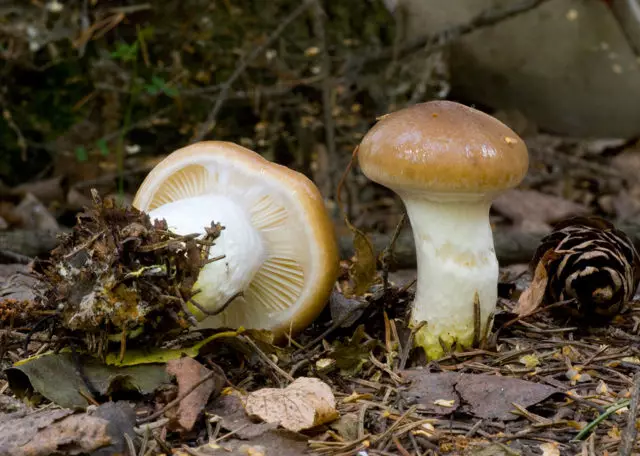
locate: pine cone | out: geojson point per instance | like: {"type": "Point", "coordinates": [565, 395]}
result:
{"type": "Point", "coordinates": [593, 263]}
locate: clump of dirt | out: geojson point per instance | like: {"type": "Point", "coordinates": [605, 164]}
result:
{"type": "Point", "coordinates": [119, 276]}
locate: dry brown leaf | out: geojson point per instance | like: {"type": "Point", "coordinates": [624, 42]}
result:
{"type": "Point", "coordinates": [533, 296]}
{"type": "Point", "coordinates": [188, 372]}
{"type": "Point", "coordinates": [363, 266]}
{"type": "Point", "coordinates": [362, 271]}
{"type": "Point", "coordinates": [304, 404]}
{"type": "Point", "coordinates": [47, 432]}
{"type": "Point", "coordinates": [483, 396]}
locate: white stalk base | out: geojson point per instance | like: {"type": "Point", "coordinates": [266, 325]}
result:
{"type": "Point", "coordinates": [239, 242]}
{"type": "Point", "coordinates": [456, 260]}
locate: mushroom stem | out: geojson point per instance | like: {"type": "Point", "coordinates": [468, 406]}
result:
{"type": "Point", "coordinates": [239, 242]}
{"type": "Point", "coordinates": [456, 260]}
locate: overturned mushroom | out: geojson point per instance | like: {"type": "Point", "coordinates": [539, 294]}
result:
{"type": "Point", "coordinates": [279, 251]}
{"type": "Point", "coordinates": [447, 162]}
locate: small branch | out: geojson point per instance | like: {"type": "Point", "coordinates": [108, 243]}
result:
{"type": "Point", "coordinates": [266, 359]}
{"type": "Point", "coordinates": [178, 399]}
{"type": "Point", "coordinates": [210, 122]}
{"type": "Point", "coordinates": [6, 114]}
{"type": "Point", "coordinates": [387, 253]}
{"type": "Point", "coordinates": [434, 42]}
{"type": "Point", "coordinates": [630, 432]}
{"type": "Point", "coordinates": [327, 88]}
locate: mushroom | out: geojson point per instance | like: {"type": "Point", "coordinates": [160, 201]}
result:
{"type": "Point", "coordinates": [447, 161]}
{"type": "Point", "coordinates": [280, 252]}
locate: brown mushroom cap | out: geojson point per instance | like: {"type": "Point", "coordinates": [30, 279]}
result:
{"type": "Point", "coordinates": [443, 147]}
{"type": "Point", "coordinates": [286, 208]}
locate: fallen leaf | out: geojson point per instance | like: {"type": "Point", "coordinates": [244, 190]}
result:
{"type": "Point", "coordinates": [493, 449]}
{"type": "Point", "coordinates": [533, 296]}
{"type": "Point", "coordinates": [347, 426]}
{"type": "Point", "coordinates": [575, 376]}
{"type": "Point", "coordinates": [35, 216]}
{"type": "Point", "coordinates": [363, 266]}
{"type": "Point", "coordinates": [614, 433]}
{"type": "Point", "coordinates": [530, 361]}
{"type": "Point", "coordinates": [346, 310]}
{"type": "Point", "coordinates": [55, 376]}
{"type": "Point", "coordinates": [602, 388]}
{"type": "Point", "coordinates": [550, 449]}
{"type": "Point", "coordinates": [121, 419]}
{"type": "Point", "coordinates": [19, 286]}
{"type": "Point", "coordinates": [304, 404]}
{"type": "Point", "coordinates": [485, 396]}
{"type": "Point", "coordinates": [350, 356]}
{"type": "Point", "coordinates": [229, 409]}
{"type": "Point", "coordinates": [163, 355]}
{"type": "Point", "coordinates": [272, 442]}
{"type": "Point", "coordinates": [46, 432]}
{"type": "Point", "coordinates": [188, 372]}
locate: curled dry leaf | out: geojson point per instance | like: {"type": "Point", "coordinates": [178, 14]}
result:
{"type": "Point", "coordinates": [363, 266]}
{"type": "Point", "coordinates": [44, 432]}
{"type": "Point", "coordinates": [533, 296]}
{"type": "Point", "coordinates": [189, 372]}
{"type": "Point", "coordinates": [304, 404]}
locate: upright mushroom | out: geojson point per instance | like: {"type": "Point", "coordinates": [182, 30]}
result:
{"type": "Point", "coordinates": [447, 162]}
{"type": "Point", "coordinates": [280, 252]}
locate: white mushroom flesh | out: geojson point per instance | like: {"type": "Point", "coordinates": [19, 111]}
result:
{"type": "Point", "coordinates": [456, 259]}
{"type": "Point", "coordinates": [240, 245]}
{"type": "Point", "coordinates": [264, 240]}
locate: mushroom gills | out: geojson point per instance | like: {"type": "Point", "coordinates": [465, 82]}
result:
{"type": "Point", "coordinates": [240, 245]}
{"type": "Point", "coordinates": [259, 243]}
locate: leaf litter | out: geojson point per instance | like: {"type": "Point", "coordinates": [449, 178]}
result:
{"type": "Point", "coordinates": [537, 383]}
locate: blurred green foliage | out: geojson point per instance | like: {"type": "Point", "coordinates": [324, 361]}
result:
{"type": "Point", "coordinates": [81, 84]}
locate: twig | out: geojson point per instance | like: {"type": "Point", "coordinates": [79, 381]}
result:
{"type": "Point", "coordinates": [334, 325]}
{"type": "Point", "coordinates": [387, 253]}
{"type": "Point", "coordinates": [630, 432]}
{"type": "Point", "coordinates": [439, 40]}
{"type": "Point", "coordinates": [476, 320]}
{"type": "Point", "coordinates": [230, 433]}
{"type": "Point", "coordinates": [221, 309]}
{"type": "Point", "coordinates": [403, 451]}
{"type": "Point", "coordinates": [210, 122]}
{"type": "Point", "coordinates": [266, 359]}
{"type": "Point", "coordinates": [406, 349]}
{"type": "Point", "coordinates": [6, 114]}
{"type": "Point", "coordinates": [178, 399]}
{"type": "Point", "coordinates": [327, 86]}
{"type": "Point", "coordinates": [14, 257]}
{"type": "Point", "coordinates": [381, 439]}
{"type": "Point", "coordinates": [141, 430]}
{"type": "Point", "coordinates": [130, 445]}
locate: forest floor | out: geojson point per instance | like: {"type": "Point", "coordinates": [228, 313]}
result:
{"type": "Point", "coordinates": [537, 385]}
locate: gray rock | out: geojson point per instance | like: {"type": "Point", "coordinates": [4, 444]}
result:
{"type": "Point", "coordinates": [566, 64]}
